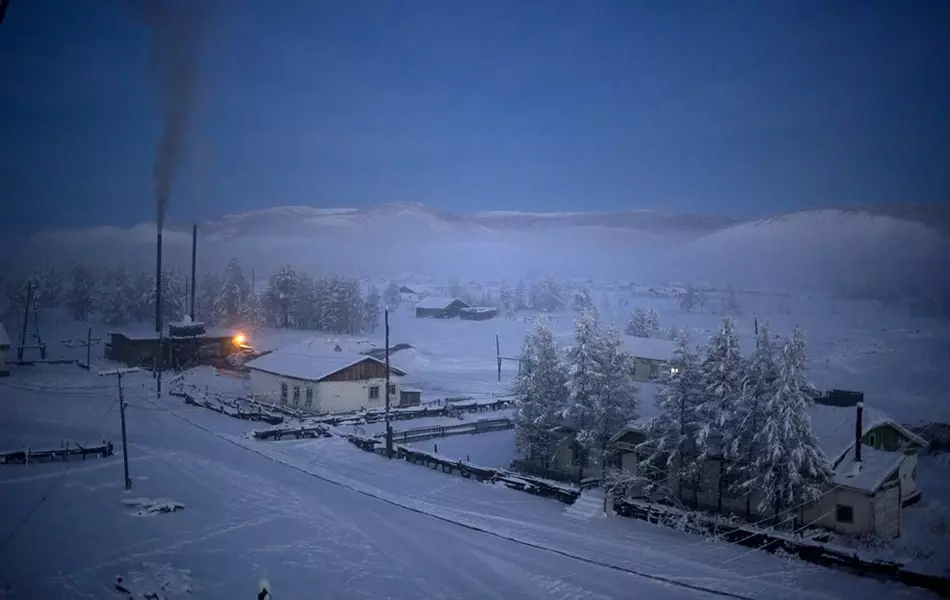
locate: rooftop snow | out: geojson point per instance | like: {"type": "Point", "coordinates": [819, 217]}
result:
{"type": "Point", "coordinates": [309, 366]}
{"type": "Point", "coordinates": [4, 338]}
{"type": "Point", "coordinates": [834, 426]}
{"type": "Point", "coordinates": [437, 302]}
{"type": "Point", "coordinates": [651, 348]}
{"type": "Point", "coordinates": [869, 474]}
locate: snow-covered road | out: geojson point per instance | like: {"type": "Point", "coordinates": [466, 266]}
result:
{"type": "Point", "coordinates": [321, 519]}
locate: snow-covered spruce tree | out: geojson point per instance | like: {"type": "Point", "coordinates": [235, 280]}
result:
{"type": "Point", "coordinates": [279, 295]}
{"type": "Point", "coordinates": [722, 369]}
{"type": "Point", "coordinates": [757, 386]}
{"type": "Point", "coordinates": [48, 287]}
{"type": "Point", "coordinates": [690, 299]}
{"type": "Point", "coordinates": [79, 299]}
{"type": "Point", "coordinates": [142, 300]}
{"type": "Point", "coordinates": [670, 449]}
{"type": "Point", "coordinates": [638, 325]}
{"type": "Point", "coordinates": [730, 302]}
{"type": "Point", "coordinates": [391, 296]}
{"type": "Point", "coordinates": [210, 308]}
{"type": "Point", "coordinates": [652, 322]}
{"type": "Point", "coordinates": [521, 294]}
{"type": "Point", "coordinates": [547, 296]}
{"type": "Point", "coordinates": [602, 395]}
{"type": "Point", "coordinates": [789, 468]}
{"type": "Point", "coordinates": [541, 393]}
{"type": "Point", "coordinates": [372, 309]}
{"type": "Point", "coordinates": [303, 303]}
{"type": "Point", "coordinates": [235, 289]}
{"type": "Point", "coordinates": [115, 296]}
{"type": "Point", "coordinates": [583, 301]}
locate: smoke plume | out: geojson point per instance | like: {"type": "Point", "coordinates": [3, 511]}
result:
{"type": "Point", "coordinates": [177, 31]}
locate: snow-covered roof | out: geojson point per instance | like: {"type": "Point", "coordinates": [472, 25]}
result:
{"type": "Point", "coordinates": [481, 309]}
{"type": "Point", "coordinates": [313, 366]}
{"type": "Point", "coordinates": [4, 338]}
{"type": "Point", "coordinates": [834, 426]}
{"type": "Point", "coordinates": [869, 474]}
{"type": "Point", "coordinates": [437, 302]}
{"type": "Point", "coordinates": [651, 348]}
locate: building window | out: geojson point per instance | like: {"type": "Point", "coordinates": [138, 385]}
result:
{"type": "Point", "coordinates": [283, 393]}
{"type": "Point", "coordinates": [296, 395]}
{"type": "Point", "coordinates": [871, 440]}
{"type": "Point", "coordinates": [374, 392]}
{"type": "Point", "coordinates": [309, 400]}
{"type": "Point", "coordinates": [392, 389]}
{"type": "Point", "coordinates": [844, 513]}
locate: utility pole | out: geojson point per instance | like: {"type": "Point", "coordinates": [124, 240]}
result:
{"type": "Point", "coordinates": [194, 263]}
{"type": "Point", "coordinates": [88, 348]}
{"type": "Point", "coordinates": [389, 425]}
{"type": "Point", "coordinates": [125, 448]}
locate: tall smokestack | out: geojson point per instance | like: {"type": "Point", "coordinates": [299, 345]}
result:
{"type": "Point", "coordinates": [858, 431]}
{"type": "Point", "coordinates": [194, 263]}
{"type": "Point", "coordinates": [177, 28]}
{"type": "Point", "coordinates": [158, 283]}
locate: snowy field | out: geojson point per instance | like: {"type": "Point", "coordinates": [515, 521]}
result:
{"type": "Point", "coordinates": [495, 450]}
{"type": "Point", "coordinates": [320, 518]}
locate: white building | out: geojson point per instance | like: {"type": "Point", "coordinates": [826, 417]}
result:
{"type": "Point", "coordinates": [650, 355]}
{"type": "Point", "coordinates": [4, 347]}
{"type": "Point", "coordinates": [322, 382]}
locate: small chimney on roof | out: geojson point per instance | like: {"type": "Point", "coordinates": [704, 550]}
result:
{"type": "Point", "coordinates": [858, 431]}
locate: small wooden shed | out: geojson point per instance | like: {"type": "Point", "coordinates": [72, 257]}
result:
{"type": "Point", "coordinates": [440, 308]}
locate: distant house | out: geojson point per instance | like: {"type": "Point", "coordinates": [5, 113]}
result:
{"type": "Point", "coordinates": [569, 462]}
{"type": "Point", "coordinates": [4, 347]}
{"type": "Point", "coordinates": [414, 293]}
{"type": "Point", "coordinates": [873, 479]}
{"type": "Point", "coordinates": [440, 308]}
{"type": "Point", "coordinates": [324, 382]}
{"type": "Point", "coordinates": [478, 313]}
{"type": "Point", "coordinates": [182, 345]}
{"type": "Point", "coordinates": [650, 356]}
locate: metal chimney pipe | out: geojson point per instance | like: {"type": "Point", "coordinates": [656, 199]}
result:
{"type": "Point", "coordinates": [858, 431]}
{"type": "Point", "coordinates": [158, 284]}
{"type": "Point", "coordinates": [194, 262]}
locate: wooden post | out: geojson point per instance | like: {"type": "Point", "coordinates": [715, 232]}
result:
{"type": "Point", "coordinates": [88, 348]}
{"type": "Point", "coordinates": [498, 355]}
{"type": "Point", "coordinates": [26, 318]}
{"type": "Point", "coordinates": [389, 425]}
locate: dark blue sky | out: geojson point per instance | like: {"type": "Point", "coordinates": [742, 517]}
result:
{"type": "Point", "coordinates": [741, 108]}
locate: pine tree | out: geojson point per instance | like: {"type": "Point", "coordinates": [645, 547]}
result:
{"type": "Point", "coordinates": [48, 287]}
{"type": "Point", "coordinates": [690, 298]}
{"type": "Point", "coordinates": [722, 368]}
{"type": "Point", "coordinates": [372, 309]}
{"type": "Point", "coordinates": [758, 385]}
{"type": "Point", "coordinates": [652, 323]}
{"type": "Point", "coordinates": [235, 289]}
{"type": "Point", "coordinates": [540, 390]}
{"type": "Point", "coordinates": [547, 296]}
{"type": "Point", "coordinates": [602, 396]}
{"type": "Point", "coordinates": [583, 301]}
{"type": "Point", "coordinates": [730, 302]}
{"type": "Point", "coordinates": [671, 447]}
{"type": "Point", "coordinates": [391, 296]}
{"type": "Point", "coordinates": [280, 293]}
{"type": "Point", "coordinates": [115, 296]}
{"type": "Point", "coordinates": [507, 303]}
{"type": "Point", "coordinates": [210, 308]}
{"type": "Point", "coordinates": [79, 299]}
{"type": "Point", "coordinates": [521, 292]}
{"type": "Point", "coordinates": [303, 303]}
{"type": "Point", "coordinates": [790, 467]}
{"type": "Point", "coordinates": [639, 324]}
{"type": "Point", "coordinates": [142, 300]}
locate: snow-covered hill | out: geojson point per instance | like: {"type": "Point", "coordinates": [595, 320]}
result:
{"type": "Point", "coordinates": [841, 249]}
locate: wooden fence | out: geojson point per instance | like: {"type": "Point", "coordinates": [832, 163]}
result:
{"type": "Point", "coordinates": [419, 434]}
{"type": "Point", "coordinates": [773, 541]}
{"type": "Point", "coordinates": [27, 456]}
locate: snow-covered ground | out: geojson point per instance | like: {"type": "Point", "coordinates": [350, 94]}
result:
{"type": "Point", "coordinates": [321, 517]}
{"type": "Point", "coordinates": [495, 449]}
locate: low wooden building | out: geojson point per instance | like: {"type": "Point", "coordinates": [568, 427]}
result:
{"type": "Point", "coordinates": [323, 382]}
{"type": "Point", "coordinates": [478, 313]}
{"type": "Point", "coordinates": [440, 308]}
{"type": "Point", "coordinates": [875, 471]}
{"type": "Point", "coordinates": [410, 396]}
{"type": "Point", "coordinates": [4, 348]}
{"type": "Point", "coordinates": [651, 356]}
{"type": "Point", "coordinates": [183, 345]}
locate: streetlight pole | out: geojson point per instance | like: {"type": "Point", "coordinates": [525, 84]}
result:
{"type": "Point", "coordinates": [389, 425]}
{"type": "Point", "coordinates": [125, 449]}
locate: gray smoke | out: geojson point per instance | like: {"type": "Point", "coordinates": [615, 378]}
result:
{"type": "Point", "coordinates": [177, 31]}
